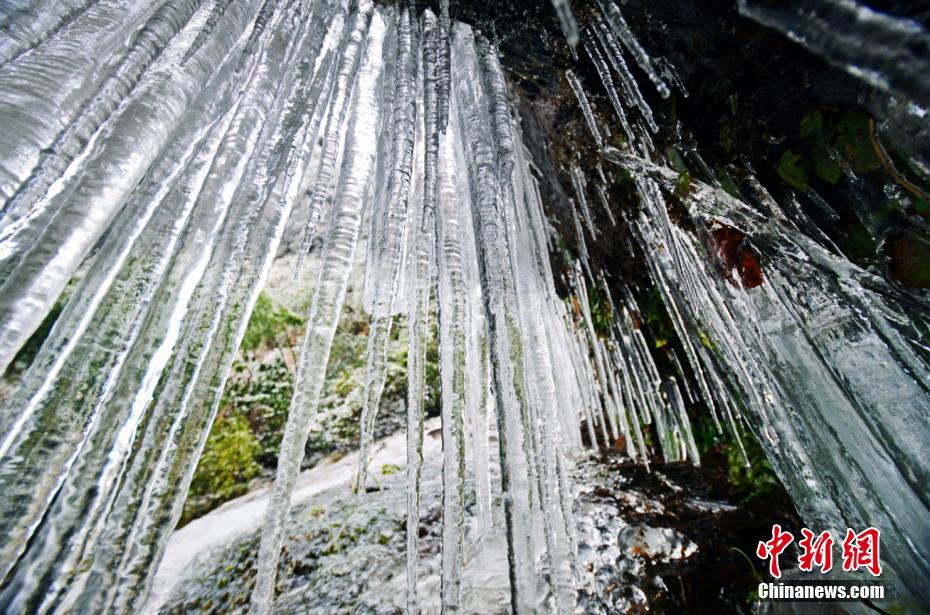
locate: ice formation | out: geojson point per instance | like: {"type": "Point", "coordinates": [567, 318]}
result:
{"type": "Point", "coordinates": [149, 195]}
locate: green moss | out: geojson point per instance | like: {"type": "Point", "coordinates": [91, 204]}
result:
{"type": "Point", "coordinates": [705, 340]}
{"type": "Point", "coordinates": [859, 245]}
{"type": "Point", "coordinates": [655, 316]}
{"type": "Point", "coordinates": [829, 141]}
{"type": "Point", "coordinates": [853, 141]}
{"type": "Point", "coordinates": [30, 349]}
{"type": "Point", "coordinates": [225, 468]}
{"type": "Point", "coordinates": [257, 396]}
{"type": "Point", "coordinates": [389, 469]}
{"type": "Point", "coordinates": [751, 474]}
{"type": "Point", "coordinates": [267, 324]}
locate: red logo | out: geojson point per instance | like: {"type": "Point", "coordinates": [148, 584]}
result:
{"type": "Point", "coordinates": [771, 549]}
{"type": "Point", "coordinates": [859, 550]}
{"type": "Point", "coordinates": [816, 551]}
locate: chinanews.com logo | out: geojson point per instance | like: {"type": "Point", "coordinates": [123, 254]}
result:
{"type": "Point", "coordinates": [860, 553]}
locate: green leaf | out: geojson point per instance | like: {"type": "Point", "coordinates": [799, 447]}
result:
{"type": "Point", "coordinates": [682, 184]}
{"type": "Point", "coordinates": [676, 160]}
{"type": "Point", "coordinates": [922, 206]}
{"type": "Point", "coordinates": [794, 169]}
{"type": "Point", "coordinates": [727, 183]}
{"type": "Point", "coordinates": [812, 124]}
{"type": "Point", "coordinates": [726, 140]}
{"type": "Point", "coordinates": [825, 166]}
{"type": "Point", "coordinates": [854, 143]}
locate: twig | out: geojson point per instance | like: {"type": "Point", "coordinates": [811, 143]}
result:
{"type": "Point", "coordinates": [889, 165]}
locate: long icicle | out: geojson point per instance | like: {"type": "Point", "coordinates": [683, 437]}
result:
{"type": "Point", "coordinates": [452, 297]}
{"type": "Point", "coordinates": [389, 242]}
{"type": "Point", "coordinates": [499, 303]}
{"type": "Point", "coordinates": [338, 251]}
{"type": "Point", "coordinates": [323, 190]}
{"type": "Point", "coordinates": [418, 302]}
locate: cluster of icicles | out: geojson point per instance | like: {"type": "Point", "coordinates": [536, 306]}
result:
{"type": "Point", "coordinates": [152, 157]}
{"type": "Point", "coordinates": [828, 363]}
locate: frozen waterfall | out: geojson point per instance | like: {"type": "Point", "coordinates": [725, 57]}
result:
{"type": "Point", "coordinates": [152, 156]}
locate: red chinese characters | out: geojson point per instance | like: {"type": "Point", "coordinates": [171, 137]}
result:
{"type": "Point", "coordinates": [816, 551]}
{"type": "Point", "coordinates": [861, 551]}
{"type": "Point", "coordinates": [771, 549]}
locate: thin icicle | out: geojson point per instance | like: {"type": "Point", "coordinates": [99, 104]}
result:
{"type": "Point", "coordinates": [578, 182]}
{"type": "Point", "coordinates": [628, 85]}
{"type": "Point", "coordinates": [431, 87]}
{"type": "Point", "coordinates": [388, 243]}
{"type": "Point", "coordinates": [567, 19]}
{"type": "Point", "coordinates": [339, 248]}
{"type": "Point", "coordinates": [585, 107]}
{"type": "Point", "coordinates": [604, 72]}
{"type": "Point", "coordinates": [615, 18]}
{"type": "Point", "coordinates": [605, 203]}
{"type": "Point", "coordinates": [499, 302]}
{"type": "Point", "coordinates": [419, 285]}
{"type": "Point", "coordinates": [495, 89]}
{"type": "Point", "coordinates": [339, 103]}
{"type": "Point", "coordinates": [444, 64]}
{"type": "Point", "coordinates": [452, 296]}
{"type": "Point", "coordinates": [579, 235]}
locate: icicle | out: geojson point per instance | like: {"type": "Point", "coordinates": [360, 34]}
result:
{"type": "Point", "coordinates": [44, 258]}
{"type": "Point", "coordinates": [585, 107]}
{"type": "Point", "coordinates": [45, 88]}
{"type": "Point", "coordinates": [431, 87]}
{"type": "Point", "coordinates": [151, 41]}
{"type": "Point", "coordinates": [419, 285]}
{"type": "Point", "coordinates": [601, 65]}
{"type": "Point", "coordinates": [605, 203]}
{"type": "Point", "coordinates": [495, 89]}
{"type": "Point", "coordinates": [48, 382]}
{"type": "Point", "coordinates": [579, 235]}
{"type": "Point", "coordinates": [578, 182]}
{"type": "Point", "coordinates": [444, 64]}
{"type": "Point", "coordinates": [628, 85]}
{"type": "Point", "coordinates": [339, 103]}
{"type": "Point", "coordinates": [620, 28]}
{"type": "Point", "coordinates": [684, 423]}
{"type": "Point", "coordinates": [452, 296]}
{"type": "Point", "coordinates": [789, 322]}
{"type": "Point", "coordinates": [604, 415]}
{"type": "Point", "coordinates": [416, 360]}
{"type": "Point", "coordinates": [581, 364]}
{"type": "Point", "coordinates": [887, 52]}
{"type": "Point", "coordinates": [338, 250]}
{"type": "Point", "coordinates": [26, 26]}
{"type": "Point", "coordinates": [499, 302]}
{"type": "Point", "coordinates": [388, 243]}
{"type": "Point", "coordinates": [530, 261]}
{"type": "Point", "coordinates": [567, 19]}
{"type": "Point", "coordinates": [479, 398]}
